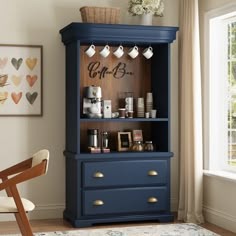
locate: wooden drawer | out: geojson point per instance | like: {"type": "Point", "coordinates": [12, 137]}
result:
{"type": "Point", "coordinates": [125, 173]}
{"type": "Point", "coordinates": [127, 200]}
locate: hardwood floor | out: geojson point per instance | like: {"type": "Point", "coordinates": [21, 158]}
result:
{"type": "Point", "coordinates": [60, 224]}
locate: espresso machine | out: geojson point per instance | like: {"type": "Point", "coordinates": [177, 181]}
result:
{"type": "Point", "coordinates": [92, 102]}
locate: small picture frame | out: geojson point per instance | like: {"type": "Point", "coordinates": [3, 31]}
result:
{"type": "Point", "coordinates": [124, 141]}
{"type": "Point", "coordinates": [137, 135]}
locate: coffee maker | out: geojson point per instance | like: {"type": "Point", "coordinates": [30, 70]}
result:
{"type": "Point", "coordinates": [92, 102]}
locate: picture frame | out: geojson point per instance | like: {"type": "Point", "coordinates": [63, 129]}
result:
{"type": "Point", "coordinates": [21, 80]}
{"type": "Point", "coordinates": [124, 141]}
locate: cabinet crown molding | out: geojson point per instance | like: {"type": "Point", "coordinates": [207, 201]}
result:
{"type": "Point", "coordinates": [117, 33]}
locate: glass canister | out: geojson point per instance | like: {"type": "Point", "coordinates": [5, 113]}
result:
{"type": "Point", "coordinates": [105, 139]}
{"type": "Point", "coordinates": [148, 146]}
{"type": "Point", "coordinates": [137, 146]}
{"type": "Point", "coordinates": [92, 137]}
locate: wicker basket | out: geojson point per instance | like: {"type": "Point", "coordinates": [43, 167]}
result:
{"type": "Point", "coordinates": [105, 15]}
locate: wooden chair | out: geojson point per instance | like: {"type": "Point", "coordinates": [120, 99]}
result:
{"type": "Point", "coordinates": [35, 166]}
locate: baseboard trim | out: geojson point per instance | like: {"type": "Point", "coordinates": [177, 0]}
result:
{"type": "Point", "coordinates": [54, 211]}
{"type": "Point", "coordinates": [220, 218]}
{"type": "Point", "coordinates": [51, 211]}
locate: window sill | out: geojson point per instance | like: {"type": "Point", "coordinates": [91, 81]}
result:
{"type": "Point", "coordinates": [223, 175]}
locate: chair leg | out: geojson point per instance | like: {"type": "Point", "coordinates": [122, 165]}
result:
{"type": "Point", "coordinates": [23, 223]}
{"type": "Point", "coordinates": [20, 224]}
{"type": "Point", "coordinates": [21, 216]}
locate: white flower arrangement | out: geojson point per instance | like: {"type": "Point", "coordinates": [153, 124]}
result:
{"type": "Point", "coordinates": [141, 7]}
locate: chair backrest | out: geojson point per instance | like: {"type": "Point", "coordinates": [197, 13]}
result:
{"type": "Point", "coordinates": [40, 156]}
{"type": "Point", "coordinates": [32, 167]}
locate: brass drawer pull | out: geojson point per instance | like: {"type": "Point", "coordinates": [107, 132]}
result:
{"type": "Point", "coordinates": [152, 173]}
{"type": "Point", "coordinates": [98, 203]}
{"type": "Point", "coordinates": [98, 175]}
{"type": "Point", "coordinates": [152, 200]}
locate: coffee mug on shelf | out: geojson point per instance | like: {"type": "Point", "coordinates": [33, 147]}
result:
{"type": "Point", "coordinates": [129, 100]}
{"type": "Point", "coordinates": [129, 107]}
{"type": "Point", "coordinates": [148, 52]}
{"type": "Point", "coordinates": [133, 52]}
{"type": "Point", "coordinates": [90, 51]}
{"type": "Point", "coordinates": [104, 52]}
{"type": "Point", "coordinates": [130, 114]}
{"type": "Point", "coordinates": [121, 112]}
{"type": "Point", "coordinates": [119, 52]}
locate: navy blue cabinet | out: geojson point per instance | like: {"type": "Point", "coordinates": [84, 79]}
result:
{"type": "Point", "coordinates": [117, 186]}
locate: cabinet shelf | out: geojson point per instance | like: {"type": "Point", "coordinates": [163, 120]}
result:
{"type": "Point", "coordinates": [114, 154]}
{"type": "Point", "coordinates": [123, 120]}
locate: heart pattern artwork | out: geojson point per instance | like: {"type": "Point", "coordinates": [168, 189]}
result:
{"type": "Point", "coordinates": [31, 79]}
{"type": "Point", "coordinates": [16, 79]}
{"type": "Point", "coordinates": [20, 83]}
{"type": "Point", "coordinates": [16, 62]}
{"type": "Point", "coordinates": [31, 62]}
{"type": "Point", "coordinates": [3, 97]}
{"type": "Point", "coordinates": [31, 97]}
{"type": "Point", "coordinates": [16, 97]}
{"type": "Point", "coordinates": [3, 80]}
{"type": "Point", "coordinates": [3, 62]}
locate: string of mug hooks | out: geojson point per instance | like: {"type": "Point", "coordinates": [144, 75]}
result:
{"type": "Point", "coordinates": [133, 52]}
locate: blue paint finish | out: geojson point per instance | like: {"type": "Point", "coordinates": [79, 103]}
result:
{"type": "Point", "coordinates": [125, 173]}
{"type": "Point", "coordinates": [125, 200]}
{"type": "Point", "coordinates": [126, 186]}
{"type": "Point", "coordinates": [116, 34]}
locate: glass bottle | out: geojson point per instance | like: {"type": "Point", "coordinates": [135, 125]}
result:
{"type": "Point", "coordinates": [148, 146]}
{"type": "Point", "coordinates": [137, 146]}
{"type": "Point", "coordinates": [105, 139]}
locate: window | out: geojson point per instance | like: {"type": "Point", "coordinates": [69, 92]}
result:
{"type": "Point", "coordinates": [231, 30]}
{"type": "Point", "coordinates": [220, 89]}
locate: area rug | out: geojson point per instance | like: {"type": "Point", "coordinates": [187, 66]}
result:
{"type": "Point", "coordinates": [186, 229]}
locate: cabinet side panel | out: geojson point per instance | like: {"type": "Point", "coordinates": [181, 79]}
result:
{"type": "Point", "coordinates": [72, 97]}
{"type": "Point", "coordinates": [160, 75]}
{"type": "Point", "coordinates": [160, 87]}
{"type": "Point", "coordinates": [73, 182]}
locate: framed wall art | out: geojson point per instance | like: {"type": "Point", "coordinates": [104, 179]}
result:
{"type": "Point", "coordinates": [124, 141]}
{"type": "Point", "coordinates": [21, 80]}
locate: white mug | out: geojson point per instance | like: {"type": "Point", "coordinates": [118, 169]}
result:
{"type": "Point", "coordinates": [148, 52]}
{"type": "Point", "coordinates": [133, 52]}
{"type": "Point", "coordinates": [129, 107]}
{"type": "Point", "coordinates": [90, 51]}
{"type": "Point", "coordinates": [119, 52]}
{"type": "Point", "coordinates": [105, 51]}
{"type": "Point", "coordinates": [129, 100]}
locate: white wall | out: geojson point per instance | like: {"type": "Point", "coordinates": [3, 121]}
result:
{"type": "Point", "coordinates": [219, 193]}
{"type": "Point", "coordinates": [38, 23]}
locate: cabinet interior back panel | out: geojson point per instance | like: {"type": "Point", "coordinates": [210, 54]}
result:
{"type": "Point", "coordinates": [115, 76]}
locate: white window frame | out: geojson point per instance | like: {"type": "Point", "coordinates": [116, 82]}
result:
{"type": "Point", "coordinates": [215, 89]}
